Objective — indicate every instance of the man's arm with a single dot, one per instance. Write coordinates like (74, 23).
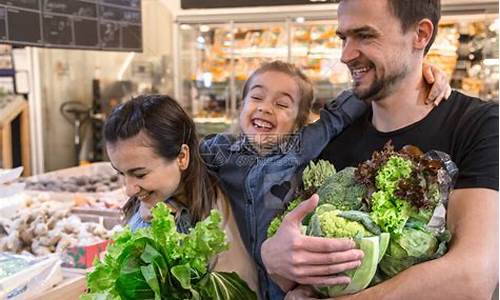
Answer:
(470, 268)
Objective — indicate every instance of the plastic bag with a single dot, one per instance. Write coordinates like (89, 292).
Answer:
(23, 276)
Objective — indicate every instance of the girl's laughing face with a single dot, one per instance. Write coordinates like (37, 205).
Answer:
(270, 108)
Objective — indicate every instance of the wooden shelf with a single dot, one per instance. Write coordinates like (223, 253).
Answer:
(73, 285)
(16, 107)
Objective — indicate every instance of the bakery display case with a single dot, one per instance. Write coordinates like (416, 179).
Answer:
(215, 62)
(216, 58)
(316, 50)
(466, 48)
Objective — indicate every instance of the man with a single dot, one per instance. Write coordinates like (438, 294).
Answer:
(384, 43)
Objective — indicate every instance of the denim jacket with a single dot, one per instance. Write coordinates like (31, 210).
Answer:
(260, 186)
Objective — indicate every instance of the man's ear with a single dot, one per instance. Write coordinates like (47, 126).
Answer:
(183, 157)
(423, 34)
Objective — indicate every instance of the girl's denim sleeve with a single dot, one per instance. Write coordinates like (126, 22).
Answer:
(336, 116)
(211, 149)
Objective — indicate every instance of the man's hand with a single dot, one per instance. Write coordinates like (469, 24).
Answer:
(304, 259)
(440, 89)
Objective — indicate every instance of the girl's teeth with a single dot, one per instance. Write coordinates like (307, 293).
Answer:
(262, 124)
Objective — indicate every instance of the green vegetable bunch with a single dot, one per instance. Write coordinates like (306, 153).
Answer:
(329, 222)
(392, 206)
(408, 192)
(337, 188)
(160, 263)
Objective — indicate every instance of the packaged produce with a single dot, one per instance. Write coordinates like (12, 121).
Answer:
(25, 276)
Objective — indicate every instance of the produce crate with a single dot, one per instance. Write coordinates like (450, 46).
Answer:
(82, 257)
(28, 276)
(107, 217)
(109, 202)
(73, 285)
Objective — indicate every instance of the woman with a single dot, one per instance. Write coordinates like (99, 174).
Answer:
(152, 143)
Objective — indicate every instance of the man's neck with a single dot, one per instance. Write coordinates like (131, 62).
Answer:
(404, 106)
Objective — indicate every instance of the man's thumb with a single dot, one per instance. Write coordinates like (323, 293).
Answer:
(304, 208)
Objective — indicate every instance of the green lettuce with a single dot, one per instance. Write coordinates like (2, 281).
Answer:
(160, 263)
(412, 246)
(388, 211)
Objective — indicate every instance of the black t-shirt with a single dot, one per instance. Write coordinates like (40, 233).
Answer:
(464, 127)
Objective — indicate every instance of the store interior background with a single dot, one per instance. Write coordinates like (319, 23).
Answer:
(180, 58)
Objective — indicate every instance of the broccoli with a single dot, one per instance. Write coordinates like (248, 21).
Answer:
(276, 222)
(333, 225)
(342, 191)
(315, 175)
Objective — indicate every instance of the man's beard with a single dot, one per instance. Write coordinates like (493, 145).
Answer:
(380, 87)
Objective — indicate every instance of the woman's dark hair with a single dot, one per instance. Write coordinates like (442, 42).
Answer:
(168, 127)
(305, 86)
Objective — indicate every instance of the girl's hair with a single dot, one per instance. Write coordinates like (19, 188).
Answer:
(305, 86)
(168, 127)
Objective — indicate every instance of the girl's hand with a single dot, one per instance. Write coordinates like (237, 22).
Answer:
(440, 89)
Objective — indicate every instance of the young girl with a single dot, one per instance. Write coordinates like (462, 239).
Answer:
(259, 170)
(153, 144)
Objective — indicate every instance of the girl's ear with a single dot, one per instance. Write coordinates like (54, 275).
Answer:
(183, 157)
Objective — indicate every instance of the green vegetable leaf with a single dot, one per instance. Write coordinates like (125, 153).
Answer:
(183, 275)
(390, 213)
(226, 286)
(99, 296)
(363, 218)
(315, 174)
(416, 242)
(204, 242)
(276, 222)
(160, 263)
(164, 232)
(131, 284)
(149, 274)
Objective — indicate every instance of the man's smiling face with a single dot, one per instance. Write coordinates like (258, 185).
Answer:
(375, 49)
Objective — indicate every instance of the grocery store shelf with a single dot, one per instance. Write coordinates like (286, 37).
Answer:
(261, 52)
(319, 52)
(212, 120)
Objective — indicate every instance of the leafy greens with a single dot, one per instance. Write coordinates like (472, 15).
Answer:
(160, 263)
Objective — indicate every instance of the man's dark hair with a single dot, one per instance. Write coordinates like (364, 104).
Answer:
(410, 12)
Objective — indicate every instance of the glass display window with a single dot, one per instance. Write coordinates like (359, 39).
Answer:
(217, 58)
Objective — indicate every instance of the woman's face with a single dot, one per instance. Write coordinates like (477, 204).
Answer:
(147, 175)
